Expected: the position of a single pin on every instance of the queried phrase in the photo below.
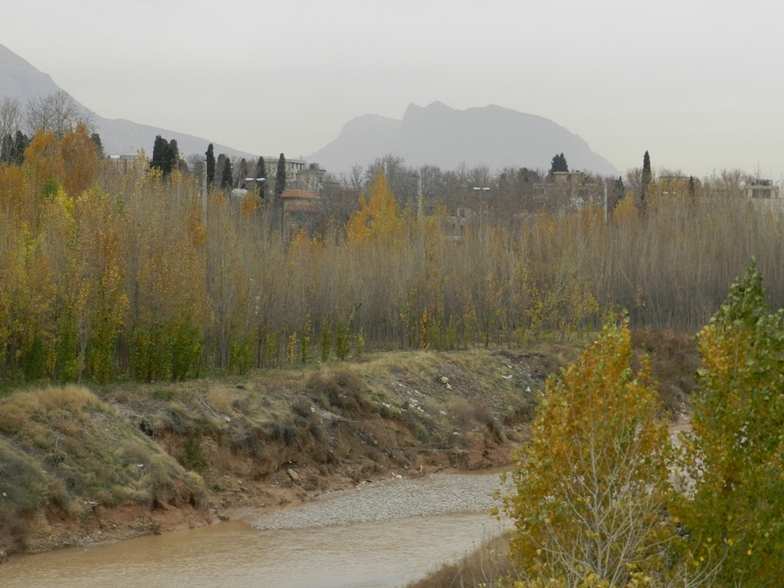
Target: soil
(332, 451)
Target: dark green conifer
(280, 176)
(210, 166)
(261, 172)
(647, 176)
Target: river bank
(82, 466)
(382, 534)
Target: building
(762, 189)
(299, 209)
(564, 189)
(300, 175)
(299, 201)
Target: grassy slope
(74, 455)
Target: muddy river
(381, 553)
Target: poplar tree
(735, 453)
(591, 485)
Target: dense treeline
(109, 273)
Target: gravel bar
(436, 494)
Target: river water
(383, 553)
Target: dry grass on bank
(66, 448)
(482, 568)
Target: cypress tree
(280, 176)
(172, 156)
(164, 155)
(158, 153)
(96, 139)
(647, 176)
(242, 173)
(261, 172)
(210, 166)
(21, 142)
(558, 164)
(226, 177)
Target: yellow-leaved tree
(378, 216)
(591, 487)
(735, 453)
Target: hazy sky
(698, 84)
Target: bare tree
(729, 183)
(10, 116)
(355, 181)
(337, 202)
(57, 112)
(402, 180)
(633, 179)
(11, 138)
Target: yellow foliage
(378, 217)
(43, 163)
(80, 160)
(592, 482)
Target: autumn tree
(80, 158)
(43, 163)
(378, 216)
(403, 181)
(591, 486)
(735, 455)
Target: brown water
(380, 554)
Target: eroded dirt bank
(143, 459)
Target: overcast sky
(699, 84)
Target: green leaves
(734, 455)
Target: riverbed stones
(390, 499)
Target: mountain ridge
(21, 80)
(437, 134)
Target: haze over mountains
(439, 135)
(19, 79)
(432, 135)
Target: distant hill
(439, 135)
(19, 79)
